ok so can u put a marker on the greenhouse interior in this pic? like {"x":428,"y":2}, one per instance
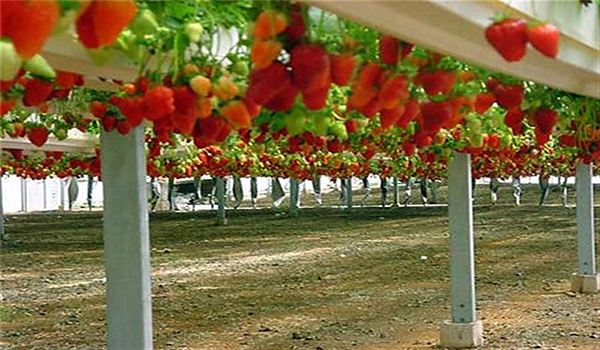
{"x":314,"y":175}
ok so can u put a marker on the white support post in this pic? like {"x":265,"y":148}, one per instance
{"x":349,"y":193}
{"x":3,"y":234}
{"x":221,"y":219}
{"x":294,"y":196}
{"x":396,"y":197}
{"x":126,"y":241}
{"x":23,"y":195}
{"x":463,"y":330}
{"x":61,"y":207}
{"x":587,"y":279}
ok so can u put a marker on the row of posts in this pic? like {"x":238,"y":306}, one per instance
{"x":127,"y":246}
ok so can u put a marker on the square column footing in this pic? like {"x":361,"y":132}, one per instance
{"x":585,"y":283}
{"x":461,"y":335}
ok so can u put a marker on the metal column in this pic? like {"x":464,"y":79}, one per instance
{"x":3,"y":234}
{"x":90,"y":189}
{"x":349,"y":193}
{"x":45,"y":197}
{"x":126,"y":241}
{"x":396,"y":198}
{"x":463,"y":330}
{"x":294,"y":196}
{"x":585,"y":220}
{"x":23,"y":195}
{"x":61,"y":207}
{"x":220,"y":183}
{"x":460,"y":212}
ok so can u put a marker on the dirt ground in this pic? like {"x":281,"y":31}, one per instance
{"x":365,"y":279}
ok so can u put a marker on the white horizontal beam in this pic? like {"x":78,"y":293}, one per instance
{"x":70,"y":145}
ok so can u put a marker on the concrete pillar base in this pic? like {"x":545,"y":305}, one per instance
{"x":585,"y":283}
{"x":461,"y":335}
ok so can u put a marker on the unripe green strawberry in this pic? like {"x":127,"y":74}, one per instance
{"x":60,"y":134}
{"x":39,"y":66}
{"x":295,"y":123}
{"x":194,"y":31}
{"x":339,"y":130}
{"x":10,"y":61}
{"x":240,"y":68}
{"x":321,"y":124}
{"x":144,"y":23}
{"x":127,"y":42}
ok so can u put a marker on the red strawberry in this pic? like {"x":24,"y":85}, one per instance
{"x":6,"y":106}
{"x":545,"y":119}
{"x":95,"y":30}
{"x":109,"y":123}
{"x":184,"y":98}
{"x":253,"y":108}
{"x":284,"y":100}
{"x":422,"y":139}
{"x":370,"y":109}
{"x":38,"y":135}
{"x":364,"y":88}
{"x":351,"y":126}
{"x":492,"y":84}
{"x":406,"y":49}
{"x":368,"y":154}
{"x":160,"y":102}
{"x":390,"y":117}
{"x":224,"y":131}
{"x":266,"y":83}
{"x":123,"y":127}
{"x":509,"y":38}
{"x":388,"y":50}
{"x":409,"y":148}
{"x":66,"y":80}
{"x":297,"y":28}
{"x":434,"y":115}
{"x":133,"y":108}
{"x":437,"y":81}
{"x":98,"y":109}
{"x":541,"y":137}
{"x":316,"y":98}
{"x":411,"y":112}
{"x":28,"y":24}
{"x":509,"y":96}
{"x":36,"y":92}
{"x":514,"y":120}
{"x":310,"y":66}
{"x":544,"y":37}
{"x":568,"y":140}
{"x":59,"y":94}
{"x":210,"y":127}
{"x":342,"y":68}
{"x":483,"y":102}
{"x":393,"y":92}
{"x":183,"y":122}
{"x":5,"y":85}
{"x":334,"y":146}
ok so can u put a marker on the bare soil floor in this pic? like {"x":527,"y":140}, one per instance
{"x":366,"y":278}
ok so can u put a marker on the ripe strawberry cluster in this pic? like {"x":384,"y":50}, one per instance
{"x":509,"y":36}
